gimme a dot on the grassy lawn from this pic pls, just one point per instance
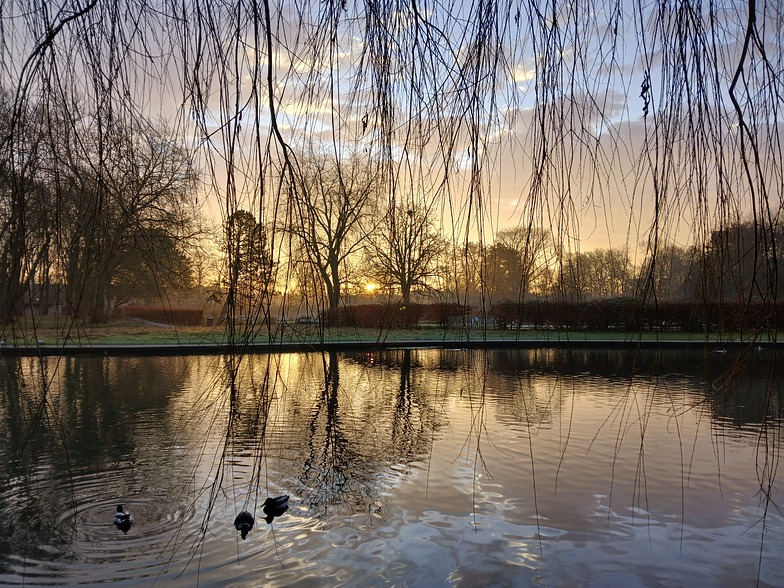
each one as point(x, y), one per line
point(140, 333)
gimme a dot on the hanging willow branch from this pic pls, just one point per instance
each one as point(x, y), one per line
point(644, 128)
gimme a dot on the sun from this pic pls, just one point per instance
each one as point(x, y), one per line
point(370, 287)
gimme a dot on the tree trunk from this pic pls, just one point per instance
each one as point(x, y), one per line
point(333, 294)
point(11, 290)
point(406, 289)
point(101, 307)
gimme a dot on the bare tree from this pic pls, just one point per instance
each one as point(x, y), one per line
point(406, 252)
point(586, 108)
point(599, 273)
point(332, 210)
point(662, 113)
point(125, 216)
point(27, 226)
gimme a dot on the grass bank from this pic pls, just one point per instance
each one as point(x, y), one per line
point(50, 334)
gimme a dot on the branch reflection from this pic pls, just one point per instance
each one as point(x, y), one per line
point(434, 439)
point(331, 471)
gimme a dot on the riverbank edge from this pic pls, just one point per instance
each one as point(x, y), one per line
point(213, 348)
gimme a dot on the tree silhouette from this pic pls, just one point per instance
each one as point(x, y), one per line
point(250, 275)
point(332, 212)
point(406, 251)
point(654, 124)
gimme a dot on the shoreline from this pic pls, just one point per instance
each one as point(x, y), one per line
point(358, 344)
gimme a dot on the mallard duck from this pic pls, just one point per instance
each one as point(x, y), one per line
point(274, 507)
point(244, 523)
point(122, 519)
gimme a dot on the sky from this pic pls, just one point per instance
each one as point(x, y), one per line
point(579, 120)
point(587, 118)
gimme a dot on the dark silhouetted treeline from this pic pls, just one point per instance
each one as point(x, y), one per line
point(610, 314)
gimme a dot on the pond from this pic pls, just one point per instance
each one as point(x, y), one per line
point(424, 467)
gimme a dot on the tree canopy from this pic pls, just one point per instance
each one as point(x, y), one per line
point(99, 216)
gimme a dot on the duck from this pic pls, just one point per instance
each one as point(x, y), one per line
point(244, 523)
point(275, 507)
point(122, 519)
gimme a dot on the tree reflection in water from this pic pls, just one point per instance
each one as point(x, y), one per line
point(357, 431)
point(74, 440)
point(512, 438)
point(403, 433)
point(327, 471)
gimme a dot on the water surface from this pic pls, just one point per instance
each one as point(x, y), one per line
point(410, 467)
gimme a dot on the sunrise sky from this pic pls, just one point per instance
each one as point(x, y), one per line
point(572, 119)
